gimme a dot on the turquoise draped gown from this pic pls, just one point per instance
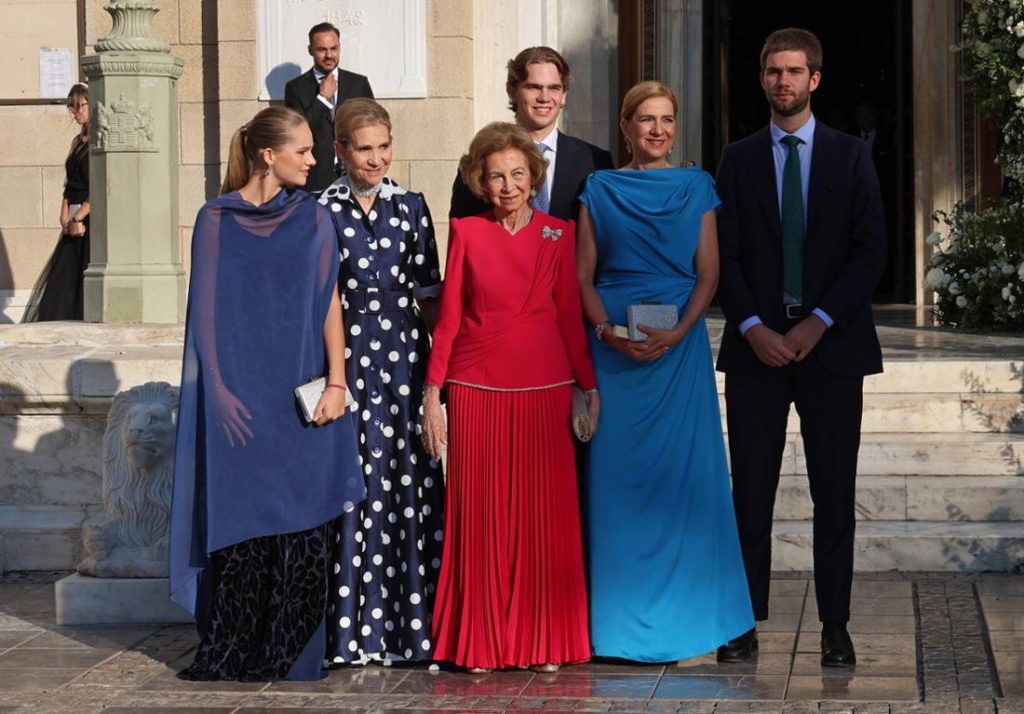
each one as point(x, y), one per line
point(666, 572)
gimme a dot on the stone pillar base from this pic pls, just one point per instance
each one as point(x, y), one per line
point(83, 600)
point(134, 294)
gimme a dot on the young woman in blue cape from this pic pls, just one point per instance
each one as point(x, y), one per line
point(254, 484)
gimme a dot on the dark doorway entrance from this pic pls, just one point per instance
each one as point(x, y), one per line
point(866, 84)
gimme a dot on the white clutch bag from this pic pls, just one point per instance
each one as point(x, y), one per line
point(308, 396)
point(663, 317)
point(581, 426)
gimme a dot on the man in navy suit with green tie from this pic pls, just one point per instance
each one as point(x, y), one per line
point(802, 246)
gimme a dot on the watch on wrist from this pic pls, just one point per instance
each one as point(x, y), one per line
point(600, 328)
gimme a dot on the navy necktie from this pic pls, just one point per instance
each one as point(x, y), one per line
point(543, 200)
point(792, 220)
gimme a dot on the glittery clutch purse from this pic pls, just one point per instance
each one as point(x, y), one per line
point(308, 396)
point(581, 426)
point(663, 317)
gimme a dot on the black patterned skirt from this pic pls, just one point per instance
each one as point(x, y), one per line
point(265, 620)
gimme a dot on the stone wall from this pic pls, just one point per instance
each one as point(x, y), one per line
point(216, 94)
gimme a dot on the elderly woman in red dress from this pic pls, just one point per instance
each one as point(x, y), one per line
point(508, 347)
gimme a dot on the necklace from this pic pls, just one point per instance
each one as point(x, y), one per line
point(524, 220)
point(365, 191)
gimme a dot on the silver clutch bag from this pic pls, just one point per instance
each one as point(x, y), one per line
point(581, 426)
point(663, 317)
point(308, 395)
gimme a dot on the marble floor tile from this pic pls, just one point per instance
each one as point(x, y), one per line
point(53, 657)
point(94, 637)
point(1013, 587)
point(1003, 603)
point(854, 688)
point(901, 644)
point(354, 680)
point(1006, 641)
point(789, 588)
point(868, 664)
point(880, 624)
point(775, 642)
point(28, 679)
point(166, 680)
point(864, 587)
point(787, 604)
point(1013, 687)
point(1009, 664)
point(676, 686)
point(763, 663)
point(609, 686)
point(780, 622)
point(495, 684)
point(601, 666)
point(13, 638)
point(176, 710)
point(1004, 621)
point(872, 606)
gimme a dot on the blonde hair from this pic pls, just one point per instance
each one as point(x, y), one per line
point(640, 93)
point(271, 128)
point(500, 136)
point(355, 114)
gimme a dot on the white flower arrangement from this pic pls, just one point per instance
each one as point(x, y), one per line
point(977, 270)
point(993, 47)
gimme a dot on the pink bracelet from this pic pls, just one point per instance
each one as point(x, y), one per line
point(336, 386)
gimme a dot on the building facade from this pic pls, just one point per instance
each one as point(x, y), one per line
point(894, 56)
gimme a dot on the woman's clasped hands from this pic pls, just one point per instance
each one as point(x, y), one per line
point(656, 346)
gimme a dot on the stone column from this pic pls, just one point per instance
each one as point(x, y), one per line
point(135, 272)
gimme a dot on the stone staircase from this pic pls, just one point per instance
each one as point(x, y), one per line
point(941, 482)
point(941, 470)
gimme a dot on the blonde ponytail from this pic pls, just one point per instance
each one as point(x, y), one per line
point(239, 166)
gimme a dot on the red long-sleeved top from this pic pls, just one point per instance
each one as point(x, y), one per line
point(510, 310)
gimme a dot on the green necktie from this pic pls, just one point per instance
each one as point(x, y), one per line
point(792, 220)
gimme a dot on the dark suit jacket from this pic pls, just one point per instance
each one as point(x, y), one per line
point(300, 95)
point(575, 160)
point(844, 252)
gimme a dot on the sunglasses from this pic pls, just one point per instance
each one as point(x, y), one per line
point(72, 107)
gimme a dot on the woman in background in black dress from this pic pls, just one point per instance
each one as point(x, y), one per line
point(57, 294)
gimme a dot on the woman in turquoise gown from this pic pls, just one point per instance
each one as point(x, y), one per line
point(666, 572)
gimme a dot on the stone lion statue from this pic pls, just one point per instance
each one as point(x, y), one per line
point(138, 461)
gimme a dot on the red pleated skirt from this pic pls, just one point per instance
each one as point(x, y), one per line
point(511, 590)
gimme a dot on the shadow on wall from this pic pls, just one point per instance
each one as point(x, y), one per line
point(6, 281)
point(278, 77)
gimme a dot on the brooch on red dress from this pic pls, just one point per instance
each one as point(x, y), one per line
point(551, 233)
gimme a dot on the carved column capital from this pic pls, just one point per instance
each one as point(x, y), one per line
point(133, 28)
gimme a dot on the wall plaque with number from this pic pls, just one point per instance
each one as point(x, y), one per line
point(384, 39)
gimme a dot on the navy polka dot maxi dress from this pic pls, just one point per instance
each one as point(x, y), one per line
point(386, 552)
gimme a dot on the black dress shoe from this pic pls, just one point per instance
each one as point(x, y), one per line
point(739, 649)
point(836, 646)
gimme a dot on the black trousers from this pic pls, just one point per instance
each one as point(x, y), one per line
point(830, 408)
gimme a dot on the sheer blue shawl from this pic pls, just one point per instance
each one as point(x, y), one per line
point(261, 284)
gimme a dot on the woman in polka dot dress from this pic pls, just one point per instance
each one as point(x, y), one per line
point(387, 551)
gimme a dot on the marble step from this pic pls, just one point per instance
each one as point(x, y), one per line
point(925, 454)
point(916, 498)
point(932, 412)
point(940, 376)
point(906, 546)
point(41, 537)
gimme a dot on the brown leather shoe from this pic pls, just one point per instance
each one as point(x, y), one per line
point(740, 649)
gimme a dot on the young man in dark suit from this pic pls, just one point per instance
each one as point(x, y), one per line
point(802, 246)
point(317, 93)
point(537, 85)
